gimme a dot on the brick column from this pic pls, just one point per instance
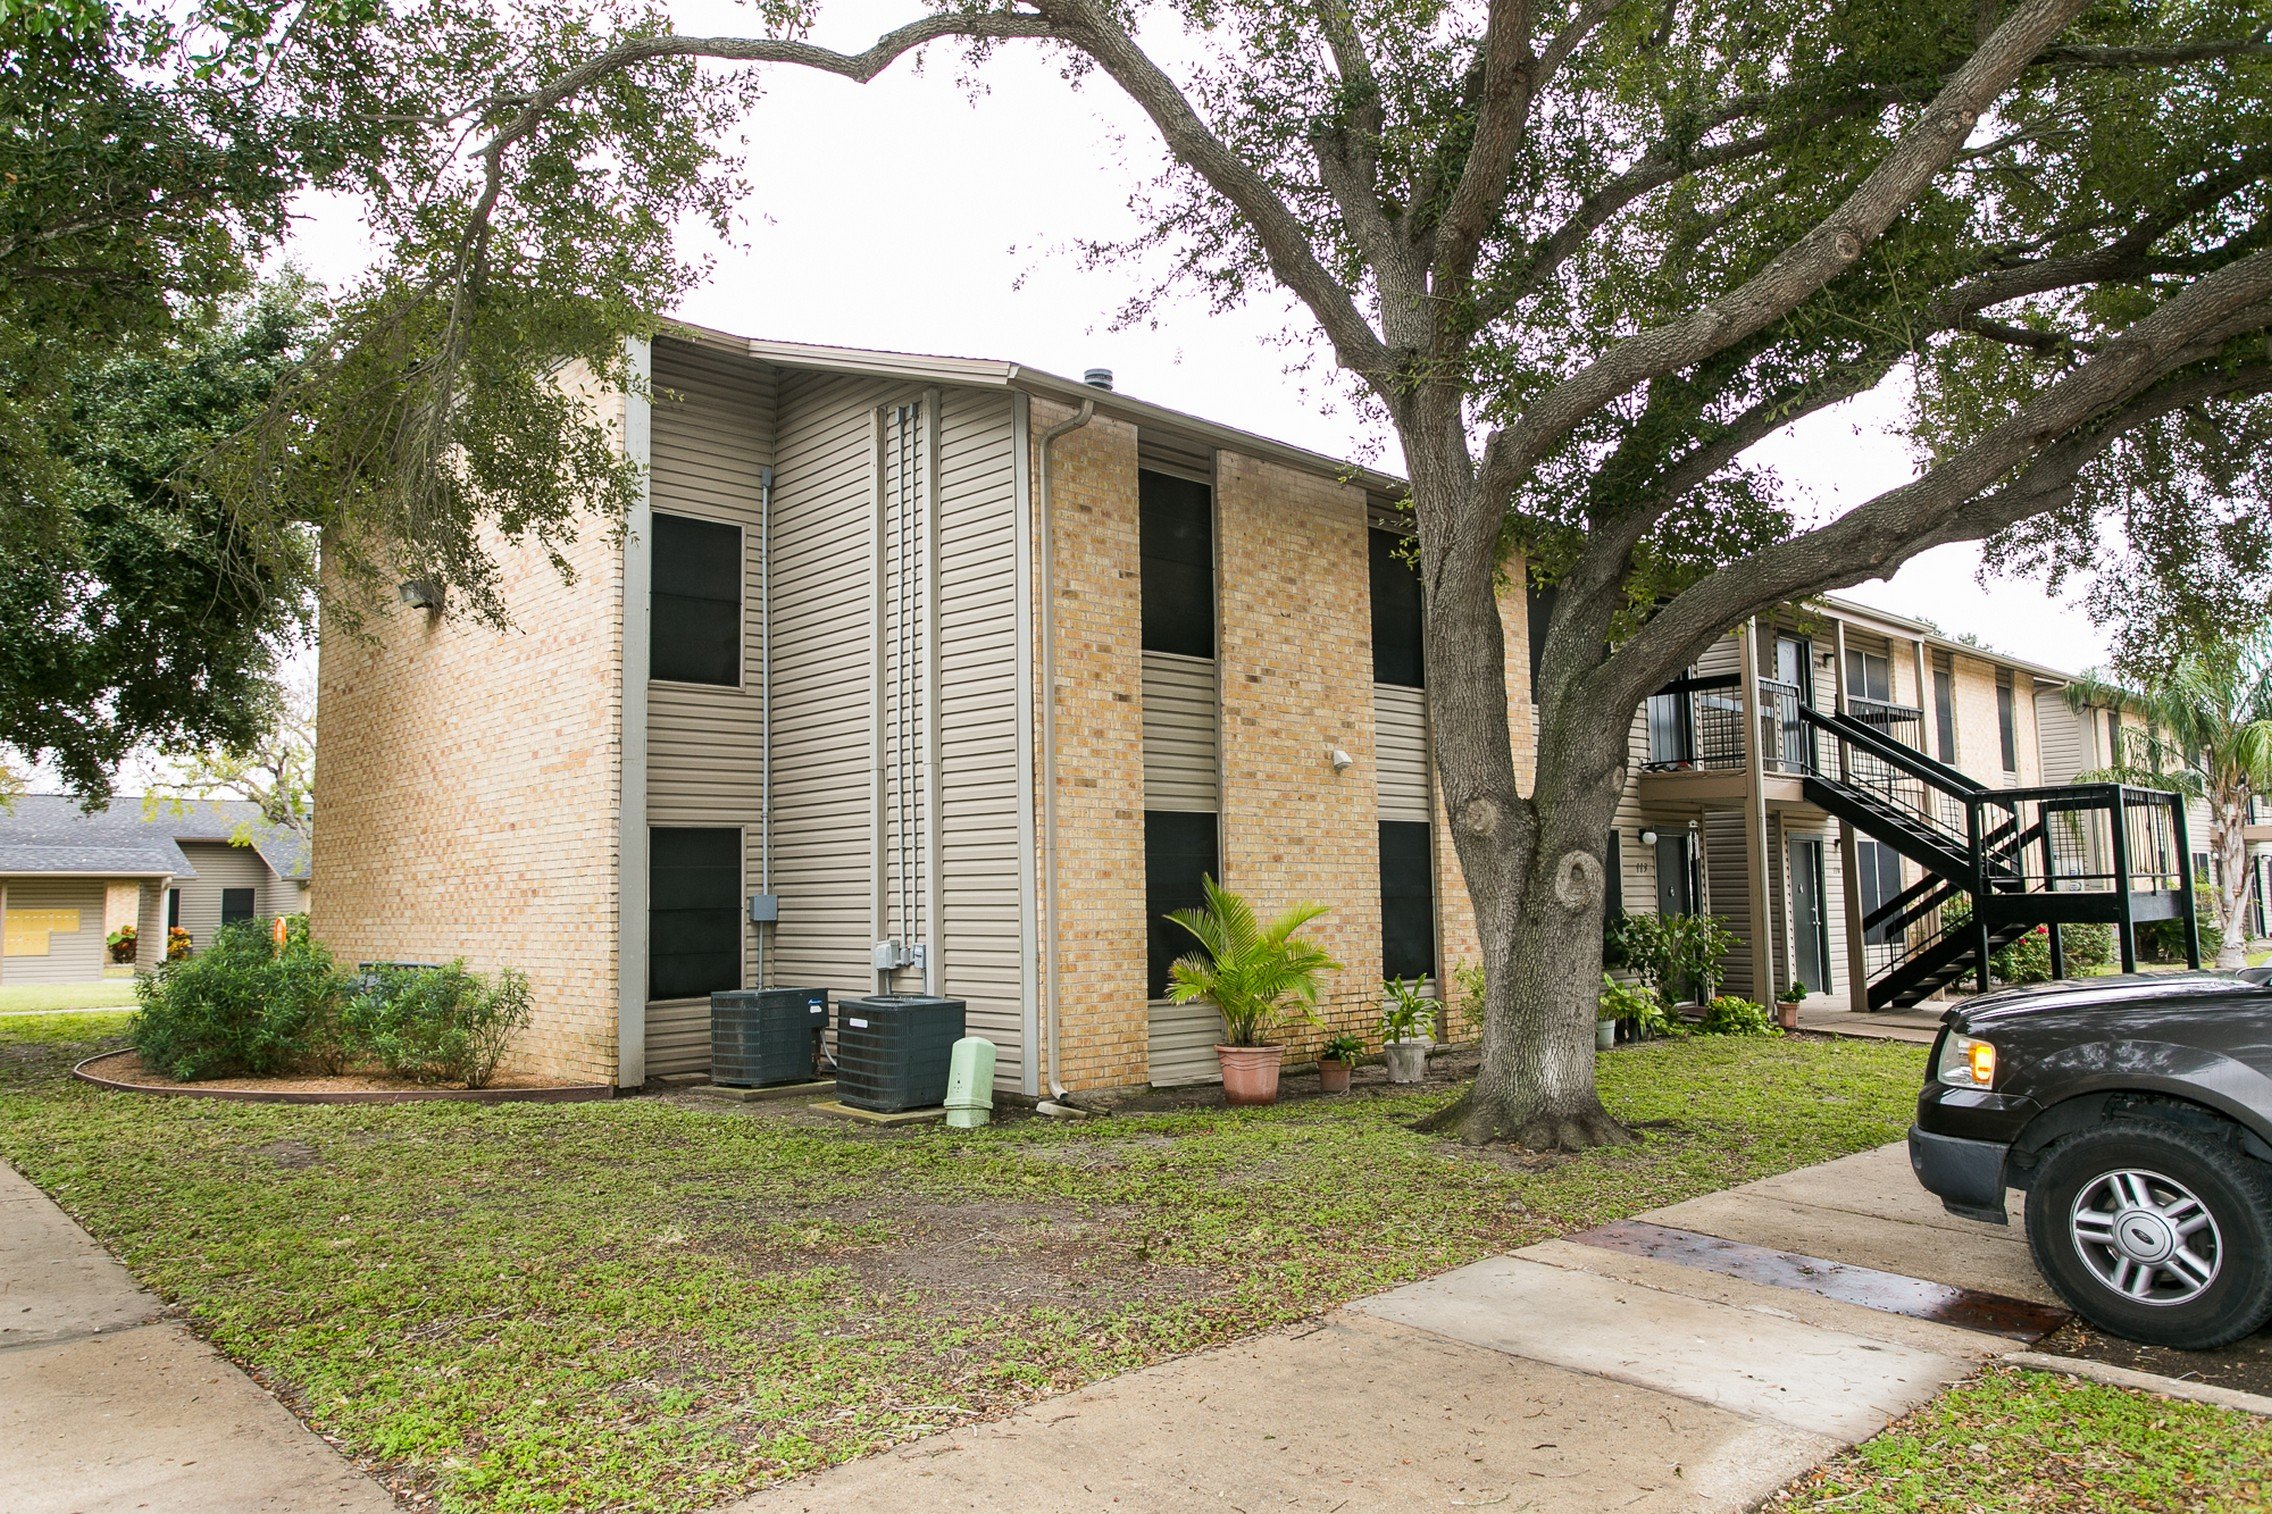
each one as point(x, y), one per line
point(1102, 1019)
point(1297, 680)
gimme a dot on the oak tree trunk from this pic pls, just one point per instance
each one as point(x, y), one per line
point(1533, 864)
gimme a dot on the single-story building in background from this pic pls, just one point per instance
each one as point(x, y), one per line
point(70, 877)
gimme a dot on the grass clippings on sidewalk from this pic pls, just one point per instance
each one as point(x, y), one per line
point(2010, 1440)
point(646, 1305)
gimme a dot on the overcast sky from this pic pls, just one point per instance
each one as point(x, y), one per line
point(908, 214)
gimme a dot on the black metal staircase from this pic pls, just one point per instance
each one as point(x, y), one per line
point(1996, 863)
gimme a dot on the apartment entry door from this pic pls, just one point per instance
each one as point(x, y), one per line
point(1810, 922)
point(1794, 665)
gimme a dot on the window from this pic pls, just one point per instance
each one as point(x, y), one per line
point(1179, 850)
point(1613, 879)
point(1408, 901)
point(1397, 617)
point(1540, 603)
point(1880, 869)
point(2007, 723)
point(1944, 715)
point(236, 904)
point(1869, 676)
point(2114, 738)
point(173, 908)
point(1175, 520)
point(694, 911)
point(696, 632)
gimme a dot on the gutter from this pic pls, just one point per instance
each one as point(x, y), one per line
point(1087, 412)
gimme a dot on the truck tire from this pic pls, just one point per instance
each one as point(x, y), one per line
point(2157, 1233)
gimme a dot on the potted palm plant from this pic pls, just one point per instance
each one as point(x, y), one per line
point(1255, 975)
point(1336, 1061)
point(1405, 1022)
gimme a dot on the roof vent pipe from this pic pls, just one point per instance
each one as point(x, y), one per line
point(1098, 378)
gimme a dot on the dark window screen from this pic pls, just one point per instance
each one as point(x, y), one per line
point(1944, 714)
point(694, 911)
point(1408, 901)
point(1613, 879)
point(1880, 869)
point(173, 908)
point(1397, 616)
point(1179, 850)
point(2007, 727)
point(697, 597)
point(1176, 540)
point(1541, 607)
point(236, 904)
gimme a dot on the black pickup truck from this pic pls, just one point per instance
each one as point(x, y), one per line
point(2136, 1113)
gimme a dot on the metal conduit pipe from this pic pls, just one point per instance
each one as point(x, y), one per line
point(1049, 736)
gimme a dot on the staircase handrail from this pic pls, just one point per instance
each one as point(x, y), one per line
point(1899, 754)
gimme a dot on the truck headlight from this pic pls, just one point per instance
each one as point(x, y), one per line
point(1968, 1063)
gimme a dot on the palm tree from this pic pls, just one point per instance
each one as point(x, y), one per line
point(1254, 973)
point(2208, 735)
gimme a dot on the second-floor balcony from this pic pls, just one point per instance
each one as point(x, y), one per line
point(1697, 725)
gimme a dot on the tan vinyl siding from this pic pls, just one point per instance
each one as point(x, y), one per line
point(1400, 751)
point(2065, 742)
point(823, 583)
point(280, 895)
point(1182, 1042)
point(978, 714)
point(73, 956)
point(1182, 748)
point(711, 433)
point(219, 866)
point(150, 928)
point(1727, 885)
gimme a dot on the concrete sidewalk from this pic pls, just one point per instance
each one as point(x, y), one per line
point(106, 1406)
point(1564, 1377)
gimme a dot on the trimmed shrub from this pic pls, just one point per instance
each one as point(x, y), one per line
point(1728, 1015)
point(438, 1024)
point(243, 1007)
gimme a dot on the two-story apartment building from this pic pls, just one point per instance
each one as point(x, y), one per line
point(935, 675)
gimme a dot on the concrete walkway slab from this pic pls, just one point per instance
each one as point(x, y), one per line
point(1824, 1381)
point(55, 1282)
point(153, 1418)
point(1354, 1415)
point(1869, 1210)
point(104, 1407)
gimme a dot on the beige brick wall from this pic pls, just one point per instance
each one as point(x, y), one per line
point(1102, 1020)
point(468, 780)
point(1295, 661)
point(1979, 744)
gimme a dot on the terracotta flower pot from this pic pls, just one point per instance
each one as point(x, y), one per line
point(1333, 1076)
point(1250, 1073)
point(1787, 1015)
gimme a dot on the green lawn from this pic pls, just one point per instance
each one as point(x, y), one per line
point(2010, 1440)
point(50, 998)
point(644, 1305)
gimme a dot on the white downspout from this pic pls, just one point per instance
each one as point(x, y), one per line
point(764, 699)
point(1049, 735)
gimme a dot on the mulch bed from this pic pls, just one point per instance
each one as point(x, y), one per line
point(124, 1072)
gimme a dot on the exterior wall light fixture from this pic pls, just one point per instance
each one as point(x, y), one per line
point(421, 594)
point(1648, 838)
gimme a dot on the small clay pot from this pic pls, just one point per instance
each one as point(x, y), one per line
point(1787, 1014)
point(1250, 1073)
point(1333, 1076)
